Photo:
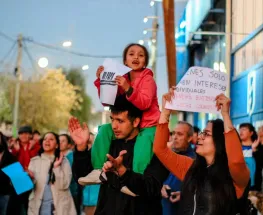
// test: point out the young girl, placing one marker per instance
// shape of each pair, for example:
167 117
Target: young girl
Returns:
51 173
141 90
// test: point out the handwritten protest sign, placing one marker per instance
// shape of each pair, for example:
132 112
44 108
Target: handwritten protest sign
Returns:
108 87
197 90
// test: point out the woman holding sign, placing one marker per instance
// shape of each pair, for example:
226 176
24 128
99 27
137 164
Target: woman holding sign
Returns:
215 182
51 173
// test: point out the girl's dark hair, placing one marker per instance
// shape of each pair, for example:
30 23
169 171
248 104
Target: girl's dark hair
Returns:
146 53
51 178
217 174
3 141
251 128
67 137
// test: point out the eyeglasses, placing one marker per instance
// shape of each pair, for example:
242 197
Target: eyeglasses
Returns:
204 134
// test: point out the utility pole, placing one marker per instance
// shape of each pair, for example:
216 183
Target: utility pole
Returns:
155 27
169 26
18 80
169 32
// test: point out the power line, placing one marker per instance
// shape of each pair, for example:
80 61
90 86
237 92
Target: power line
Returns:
74 52
29 57
30 40
6 37
71 52
8 53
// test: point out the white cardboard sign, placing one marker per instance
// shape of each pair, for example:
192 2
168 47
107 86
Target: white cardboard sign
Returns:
197 90
108 87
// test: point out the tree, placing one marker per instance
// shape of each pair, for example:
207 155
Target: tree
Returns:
5 107
76 77
46 104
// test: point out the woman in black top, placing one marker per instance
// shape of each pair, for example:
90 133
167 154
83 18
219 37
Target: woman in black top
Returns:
6 188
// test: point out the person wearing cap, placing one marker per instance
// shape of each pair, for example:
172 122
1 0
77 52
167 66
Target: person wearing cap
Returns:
25 148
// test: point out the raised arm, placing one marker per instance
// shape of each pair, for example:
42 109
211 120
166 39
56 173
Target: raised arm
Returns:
236 162
175 163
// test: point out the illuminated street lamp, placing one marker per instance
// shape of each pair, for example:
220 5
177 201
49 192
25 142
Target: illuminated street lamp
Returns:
146 18
85 67
43 62
141 42
67 44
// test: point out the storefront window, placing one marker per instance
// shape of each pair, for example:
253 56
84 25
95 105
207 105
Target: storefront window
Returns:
250 55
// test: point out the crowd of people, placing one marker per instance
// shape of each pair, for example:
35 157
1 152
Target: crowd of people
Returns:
136 165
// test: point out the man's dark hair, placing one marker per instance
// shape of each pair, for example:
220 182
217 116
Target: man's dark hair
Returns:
122 104
36 132
196 129
251 128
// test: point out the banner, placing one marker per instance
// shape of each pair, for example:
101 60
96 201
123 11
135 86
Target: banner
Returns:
197 90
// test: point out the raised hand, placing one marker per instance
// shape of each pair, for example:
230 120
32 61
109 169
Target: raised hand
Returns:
255 145
32 143
80 135
16 146
167 97
58 160
99 71
223 104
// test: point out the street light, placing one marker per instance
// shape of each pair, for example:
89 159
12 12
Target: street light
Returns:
67 44
146 18
144 31
85 67
141 42
153 1
43 62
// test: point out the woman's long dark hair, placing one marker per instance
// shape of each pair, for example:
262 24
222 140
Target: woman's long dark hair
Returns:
3 142
217 174
52 177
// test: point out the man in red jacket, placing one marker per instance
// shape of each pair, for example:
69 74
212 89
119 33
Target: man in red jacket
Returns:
25 148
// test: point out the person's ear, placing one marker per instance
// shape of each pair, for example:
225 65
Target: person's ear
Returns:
190 139
136 122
